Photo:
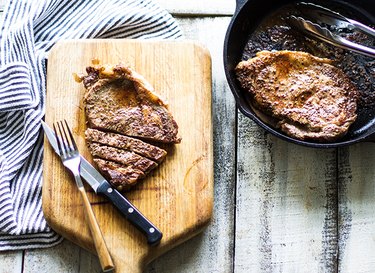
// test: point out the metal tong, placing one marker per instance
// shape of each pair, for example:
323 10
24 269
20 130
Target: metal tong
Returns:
315 16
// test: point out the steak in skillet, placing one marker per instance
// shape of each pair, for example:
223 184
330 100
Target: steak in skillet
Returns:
310 98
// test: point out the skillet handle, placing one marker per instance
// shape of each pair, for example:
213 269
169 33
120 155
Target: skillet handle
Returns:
239 5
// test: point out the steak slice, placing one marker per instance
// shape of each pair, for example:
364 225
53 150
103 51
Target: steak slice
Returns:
120 176
123 157
127 143
120 100
310 98
122 112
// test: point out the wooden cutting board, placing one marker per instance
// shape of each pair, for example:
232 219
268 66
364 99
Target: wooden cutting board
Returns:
177 196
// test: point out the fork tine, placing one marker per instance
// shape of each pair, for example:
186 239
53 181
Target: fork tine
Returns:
71 136
67 140
63 140
58 140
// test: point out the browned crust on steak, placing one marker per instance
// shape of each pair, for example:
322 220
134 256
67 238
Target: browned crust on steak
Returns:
126 158
127 143
120 100
122 109
120 176
312 99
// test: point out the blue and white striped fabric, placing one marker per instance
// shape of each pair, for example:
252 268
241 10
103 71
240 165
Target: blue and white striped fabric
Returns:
28 31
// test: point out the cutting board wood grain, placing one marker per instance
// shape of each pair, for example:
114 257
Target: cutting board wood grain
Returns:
177 196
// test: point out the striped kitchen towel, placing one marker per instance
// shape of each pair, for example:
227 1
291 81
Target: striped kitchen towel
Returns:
28 30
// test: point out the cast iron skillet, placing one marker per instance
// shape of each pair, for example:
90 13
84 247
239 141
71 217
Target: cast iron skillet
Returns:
246 18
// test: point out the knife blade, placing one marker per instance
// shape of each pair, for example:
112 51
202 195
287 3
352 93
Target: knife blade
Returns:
101 186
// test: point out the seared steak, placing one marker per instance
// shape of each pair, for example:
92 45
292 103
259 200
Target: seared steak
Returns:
310 98
127 143
121 109
120 176
120 100
124 157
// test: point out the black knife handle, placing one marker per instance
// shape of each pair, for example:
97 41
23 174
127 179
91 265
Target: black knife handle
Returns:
131 213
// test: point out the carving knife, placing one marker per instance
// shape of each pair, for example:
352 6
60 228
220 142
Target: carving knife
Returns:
101 186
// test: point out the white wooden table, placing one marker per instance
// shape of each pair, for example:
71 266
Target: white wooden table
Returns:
278 207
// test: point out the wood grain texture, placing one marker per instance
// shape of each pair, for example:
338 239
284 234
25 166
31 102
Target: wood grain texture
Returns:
212 251
11 262
286 205
66 257
178 196
63 258
197 7
356 208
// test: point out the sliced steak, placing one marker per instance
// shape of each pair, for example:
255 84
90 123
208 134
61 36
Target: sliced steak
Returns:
122 113
127 143
120 100
126 158
121 176
310 98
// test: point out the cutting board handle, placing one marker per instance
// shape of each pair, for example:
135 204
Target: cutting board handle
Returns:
177 196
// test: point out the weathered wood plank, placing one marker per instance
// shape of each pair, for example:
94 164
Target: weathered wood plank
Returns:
62 258
88 262
212 250
195 7
286 205
192 7
11 262
198 7
66 257
356 209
